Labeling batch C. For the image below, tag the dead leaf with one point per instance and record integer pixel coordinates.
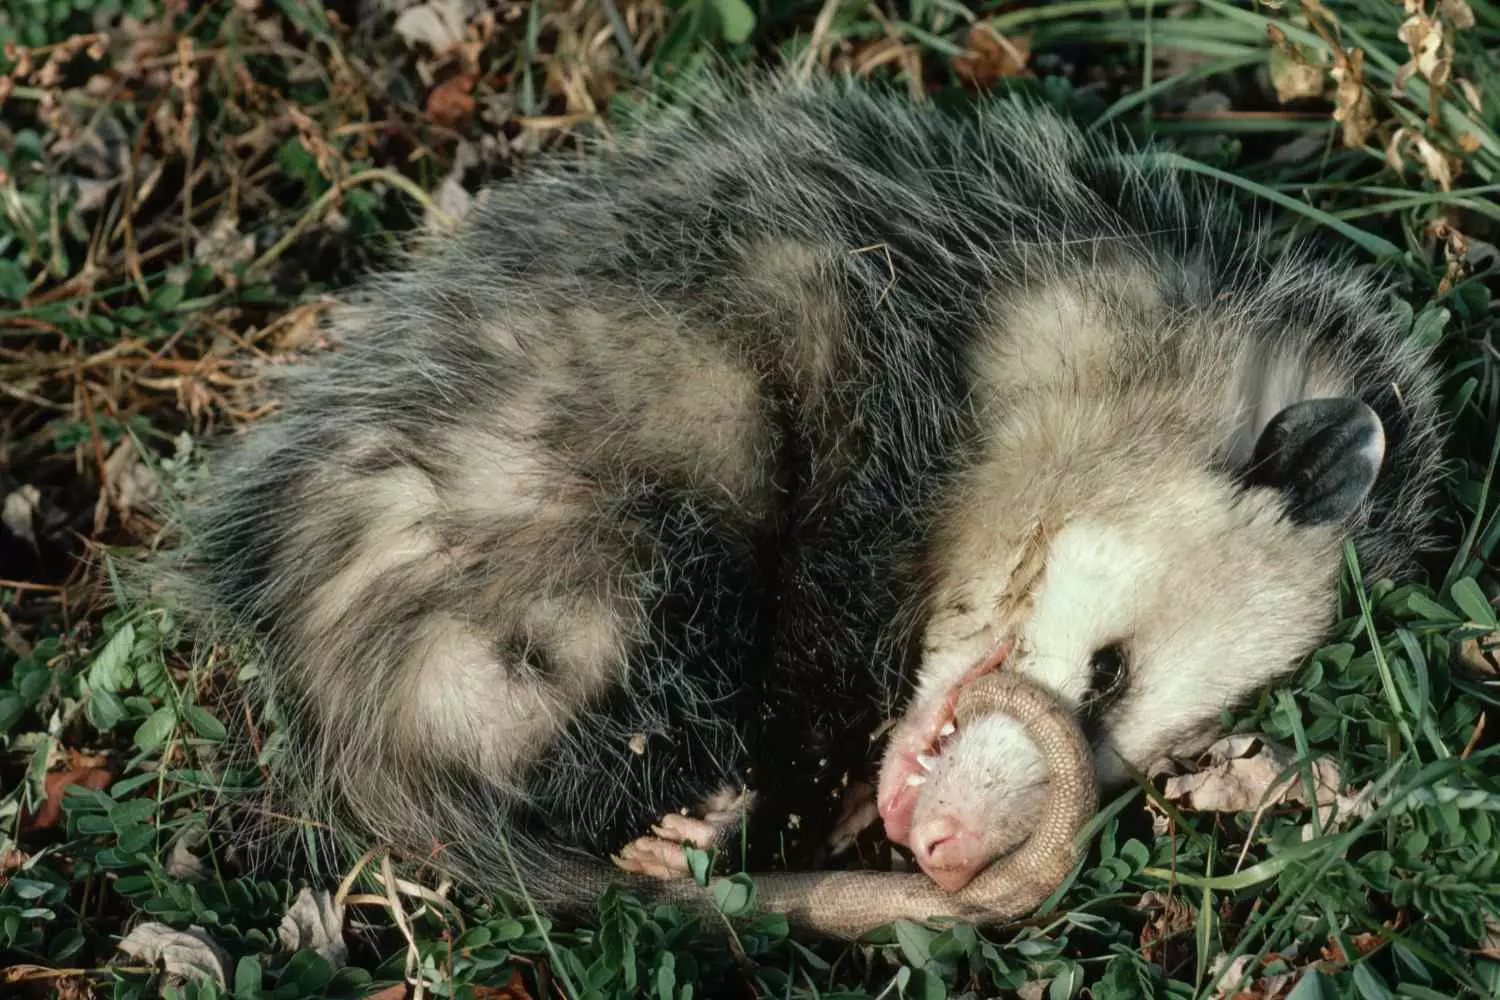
(1440, 167)
(1177, 917)
(1481, 656)
(1035, 989)
(315, 921)
(1233, 779)
(182, 863)
(1490, 942)
(85, 770)
(1230, 975)
(438, 24)
(1294, 80)
(18, 512)
(514, 989)
(1353, 106)
(131, 482)
(396, 992)
(1264, 988)
(190, 954)
(452, 202)
(1293, 73)
(301, 329)
(451, 102)
(990, 57)
(1430, 48)
(1458, 12)
(1471, 94)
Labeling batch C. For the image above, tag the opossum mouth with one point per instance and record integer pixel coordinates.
(917, 750)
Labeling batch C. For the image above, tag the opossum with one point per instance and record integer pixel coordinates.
(678, 468)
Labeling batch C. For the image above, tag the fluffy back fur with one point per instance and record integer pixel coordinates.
(673, 471)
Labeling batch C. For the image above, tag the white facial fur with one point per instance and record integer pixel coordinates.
(1211, 596)
(1104, 511)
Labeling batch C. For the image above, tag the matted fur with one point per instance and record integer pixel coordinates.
(688, 464)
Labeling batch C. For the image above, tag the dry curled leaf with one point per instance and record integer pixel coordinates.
(315, 921)
(395, 992)
(1353, 107)
(1481, 657)
(1456, 252)
(1459, 13)
(1294, 74)
(18, 512)
(132, 484)
(989, 57)
(514, 989)
(1171, 917)
(189, 954)
(1293, 80)
(1489, 944)
(451, 102)
(439, 25)
(1430, 45)
(85, 770)
(1233, 984)
(1034, 989)
(1240, 774)
(1439, 166)
(182, 863)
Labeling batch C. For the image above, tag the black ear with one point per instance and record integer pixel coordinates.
(1323, 454)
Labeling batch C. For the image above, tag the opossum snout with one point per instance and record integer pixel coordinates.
(982, 799)
(949, 852)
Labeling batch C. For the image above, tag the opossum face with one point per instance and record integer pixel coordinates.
(1147, 610)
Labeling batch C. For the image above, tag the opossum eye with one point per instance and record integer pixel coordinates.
(1107, 668)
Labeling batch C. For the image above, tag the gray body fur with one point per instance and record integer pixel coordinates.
(764, 426)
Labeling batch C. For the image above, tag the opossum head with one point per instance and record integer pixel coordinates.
(1146, 589)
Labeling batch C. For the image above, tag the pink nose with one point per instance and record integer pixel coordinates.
(949, 854)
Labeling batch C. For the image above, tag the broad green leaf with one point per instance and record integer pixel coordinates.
(204, 724)
(733, 895)
(110, 670)
(155, 730)
(1472, 602)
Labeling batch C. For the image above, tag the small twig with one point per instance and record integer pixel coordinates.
(1473, 738)
(23, 585)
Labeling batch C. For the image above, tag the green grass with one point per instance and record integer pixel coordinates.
(314, 147)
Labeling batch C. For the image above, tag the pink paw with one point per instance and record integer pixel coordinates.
(660, 854)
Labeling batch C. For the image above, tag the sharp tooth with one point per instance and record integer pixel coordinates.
(948, 729)
(915, 780)
(926, 760)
